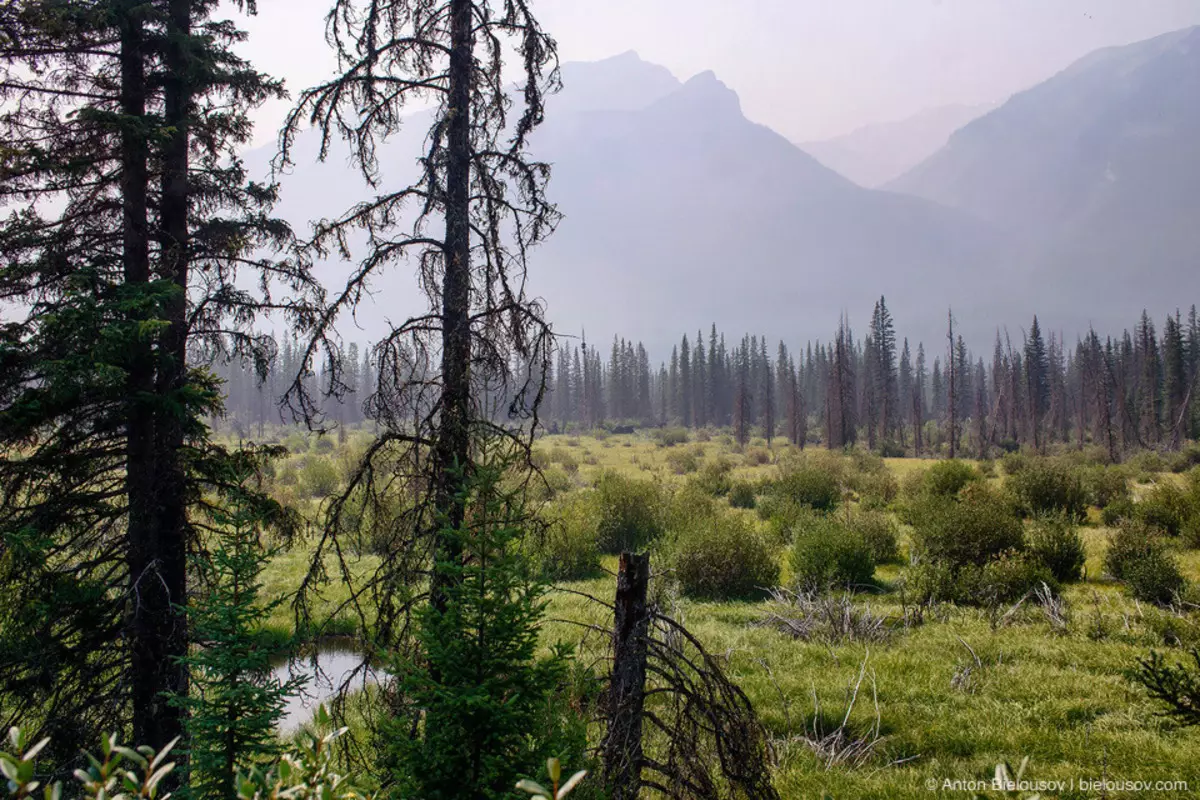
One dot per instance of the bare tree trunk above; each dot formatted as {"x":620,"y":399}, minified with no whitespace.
{"x":452,"y":446}
{"x":627,"y":686}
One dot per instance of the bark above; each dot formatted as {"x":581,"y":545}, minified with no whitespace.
{"x":627,"y":686}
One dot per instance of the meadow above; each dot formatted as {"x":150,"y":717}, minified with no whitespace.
{"x":901,"y":683}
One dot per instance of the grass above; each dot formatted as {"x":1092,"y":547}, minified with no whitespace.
{"x":956,"y":695}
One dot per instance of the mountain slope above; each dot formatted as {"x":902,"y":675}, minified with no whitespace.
{"x":681,"y":212}
{"x":1096,"y":170}
{"x":873,"y":155}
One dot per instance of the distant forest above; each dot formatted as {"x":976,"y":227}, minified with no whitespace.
{"x":1125,"y":392}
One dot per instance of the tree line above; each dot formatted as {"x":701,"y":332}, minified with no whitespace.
{"x":1124,"y":392}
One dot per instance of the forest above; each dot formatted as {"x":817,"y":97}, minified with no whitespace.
{"x":243,"y":555}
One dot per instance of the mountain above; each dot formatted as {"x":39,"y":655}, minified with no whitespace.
{"x":1096,"y":172}
{"x":680,"y":212}
{"x":876,"y":154}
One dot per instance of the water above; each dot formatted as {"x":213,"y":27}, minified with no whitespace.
{"x":326,"y":670}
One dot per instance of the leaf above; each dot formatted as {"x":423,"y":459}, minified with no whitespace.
{"x":554,"y":769}
{"x":533,"y":787}
{"x":31,"y":754}
{"x":572,"y":782}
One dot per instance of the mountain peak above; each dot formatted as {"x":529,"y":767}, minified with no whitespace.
{"x":707,"y":92}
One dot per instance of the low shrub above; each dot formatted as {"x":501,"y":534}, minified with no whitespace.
{"x":947,"y":478}
{"x":1104,"y":486}
{"x":1049,"y":485}
{"x":809,"y":485}
{"x":936,"y":582}
{"x":1167,"y":507}
{"x":825,"y":553}
{"x":564,"y":458}
{"x":971,"y":530}
{"x":669,"y":437}
{"x":1013,"y":461}
{"x":876,"y":490}
{"x":1185,"y":459}
{"x":628,"y":513}
{"x":567,"y":550}
{"x":1009,"y":577}
{"x":684,"y":461}
{"x":1053,"y":542}
{"x":1154,"y":578}
{"x":741,"y":494}
{"x":880,"y":533}
{"x":1117,"y":510}
{"x":319,"y":477}
{"x":713,"y":478}
{"x":756,"y":456}
{"x":1132,"y":541}
{"x":724,"y":557}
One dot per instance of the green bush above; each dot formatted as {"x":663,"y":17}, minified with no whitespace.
{"x":937,"y":582}
{"x":724,"y":557}
{"x":564,"y":458}
{"x":319,"y":477}
{"x":713,"y":477}
{"x":1154,"y":578}
{"x":1185,"y":459}
{"x":684,"y":461}
{"x":628,"y":513}
{"x":971,"y":530}
{"x":741,"y":494}
{"x":808,"y":485}
{"x":1133,"y":540}
{"x":1048,"y":485}
{"x":1009,"y":577}
{"x":567,"y":549}
{"x":947,"y":478}
{"x":1013,"y":462}
{"x":756,"y":456}
{"x":1104,"y":486}
{"x":880,"y":533}
{"x":669,"y":437}
{"x":825,"y":553}
{"x":1167,"y":507}
{"x":1054,"y":543}
{"x":875,"y":489}
{"x":1117,"y":510}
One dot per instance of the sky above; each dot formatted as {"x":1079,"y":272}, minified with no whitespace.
{"x":810,"y":69}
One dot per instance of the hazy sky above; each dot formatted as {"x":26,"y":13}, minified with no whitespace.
{"x":808,"y":68}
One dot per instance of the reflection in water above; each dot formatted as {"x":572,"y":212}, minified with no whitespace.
{"x":325,"y":672}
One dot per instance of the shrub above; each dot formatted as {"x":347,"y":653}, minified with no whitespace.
{"x":1132,"y":541}
{"x":741,"y":494}
{"x":947,"y":478}
{"x":876,"y":487}
{"x":826,"y":553}
{"x":724,"y":557}
{"x":552,"y":482}
{"x":564,"y":458}
{"x":567,"y":550}
{"x":971,"y":530}
{"x":628,"y":513}
{"x":684,"y":461}
{"x":1103,"y":486}
{"x":318,"y":477}
{"x":1013,"y":462}
{"x":1009,"y":577}
{"x":756,"y":456}
{"x":1048,"y":485}
{"x":713,"y":477}
{"x":936,"y":582}
{"x":1167,"y":507}
{"x":1154,"y":577}
{"x":879,"y":533}
{"x":1054,"y":543}
{"x":296,"y":443}
{"x":669,"y":437}
{"x":1185,"y":459}
{"x":1117,"y":510}
{"x":808,"y":485}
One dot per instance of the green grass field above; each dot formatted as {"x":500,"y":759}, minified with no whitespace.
{"x":943,"y":700}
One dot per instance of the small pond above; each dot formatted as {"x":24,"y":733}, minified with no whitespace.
{"x":325,"y":670}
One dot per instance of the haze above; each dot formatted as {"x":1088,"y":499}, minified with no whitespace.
{"x":810,"y":69}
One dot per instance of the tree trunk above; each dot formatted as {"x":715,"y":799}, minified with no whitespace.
{"x":151,"y":618}
{"x":627,"y":686}
{"x":452,"y":448}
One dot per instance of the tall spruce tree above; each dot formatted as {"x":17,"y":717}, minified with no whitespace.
{"x":133,"y":221}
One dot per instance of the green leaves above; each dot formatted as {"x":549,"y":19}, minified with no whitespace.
{"x":554,"y":769}
{"x":104,"y":779}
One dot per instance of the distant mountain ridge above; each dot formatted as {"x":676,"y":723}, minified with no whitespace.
{"x":875,"y":154}
{"x":1096,"y":172}
{"x":680,"y":212}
